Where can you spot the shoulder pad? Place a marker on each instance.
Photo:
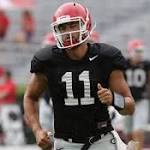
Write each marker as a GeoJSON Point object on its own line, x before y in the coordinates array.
{"type": "Point", "coordinates": [108, 50]}
{"type": "Point", "coordinates": [147, 64]}
{"type": "Point", "coordinates": [41, 58]}
{"type": "Point", "coordinates": [111, 53]}
{"type": "Point", "coordinates": [45, 54]}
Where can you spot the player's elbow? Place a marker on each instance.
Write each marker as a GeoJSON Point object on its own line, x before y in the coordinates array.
{"type": "Point", "coordinates": [131, 110]}
{"type": "Point", "coordinates": [130, 107]}
{"type": "Point", "coordinates": [29, 96]}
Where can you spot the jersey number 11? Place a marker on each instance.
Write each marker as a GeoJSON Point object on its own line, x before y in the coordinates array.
{"type": "Point", "coordinates": [71, 100]}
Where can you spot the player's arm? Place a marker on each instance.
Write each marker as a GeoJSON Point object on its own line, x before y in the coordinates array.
{"type": "Point", "coordinates": [118, 84]}
{"type": "Point", "coordinates": [35, 88]}
{"type": "Point", "coordinates": [118, 95]}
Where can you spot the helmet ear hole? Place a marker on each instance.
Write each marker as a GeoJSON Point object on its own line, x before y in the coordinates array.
{"type": "Point", "coordinates": [55, 29]}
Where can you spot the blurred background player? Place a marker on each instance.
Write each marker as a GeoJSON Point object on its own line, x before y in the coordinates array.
{"type": "Point", "coordinates": [4, 24]}
{"type": "Point", "coordinates": [7, 88]}
{"type": "Point", "coordinates": [7, 98]}
{"type": "Point", "coordinates": [138, 78]}
{"type": "Point", "coordinates": [28, 27]}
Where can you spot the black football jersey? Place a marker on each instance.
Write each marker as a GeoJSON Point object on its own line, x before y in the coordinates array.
{"type": "Point", "coordinates": [73, 86]}
{"type": "Point", "coordinates": [137, 78]}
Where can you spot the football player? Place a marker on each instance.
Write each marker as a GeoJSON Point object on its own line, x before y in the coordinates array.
{"type": "Point", "coordinates": [84, 79]}
{"type": "Point", "coordinates": [138, 78]}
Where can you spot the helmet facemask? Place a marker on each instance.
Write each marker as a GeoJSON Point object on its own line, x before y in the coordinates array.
{"type": "Point", "coordinates": [72, 40]}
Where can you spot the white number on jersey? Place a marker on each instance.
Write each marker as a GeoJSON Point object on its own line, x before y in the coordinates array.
{"type": "Point", "coordinates": [136, 78]}
{"type": "Point", "coordinates": [70, 100]}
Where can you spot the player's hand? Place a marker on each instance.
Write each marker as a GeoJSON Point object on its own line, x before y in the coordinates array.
{"type": "Point", "coordinates": [43, 139]}
{"type": "Point", "coordinates": [104, 95]}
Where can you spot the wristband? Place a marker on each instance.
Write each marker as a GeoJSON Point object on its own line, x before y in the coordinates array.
{"type": "Point", "coordinates": [118, 101]}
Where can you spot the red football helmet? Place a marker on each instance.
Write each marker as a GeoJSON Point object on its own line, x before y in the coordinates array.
{"type": "Point", "coordinates": [49, 40]}
{"type": "Point", "coordinates": [67, 13]}
{"type": "Point", "coordinates": [135, 46]}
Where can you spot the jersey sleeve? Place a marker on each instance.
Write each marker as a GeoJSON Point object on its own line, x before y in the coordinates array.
{"type": "Point", "coordinates": [147, 64]}
{"type": "Point", "coordinates": [40, 60]}
{"type": "Point", "coordinates": [37, 66]}
{"type": "Point", "coordinates": [118, 61]}
{"type": "Point", "coordinates": [113, 55]}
